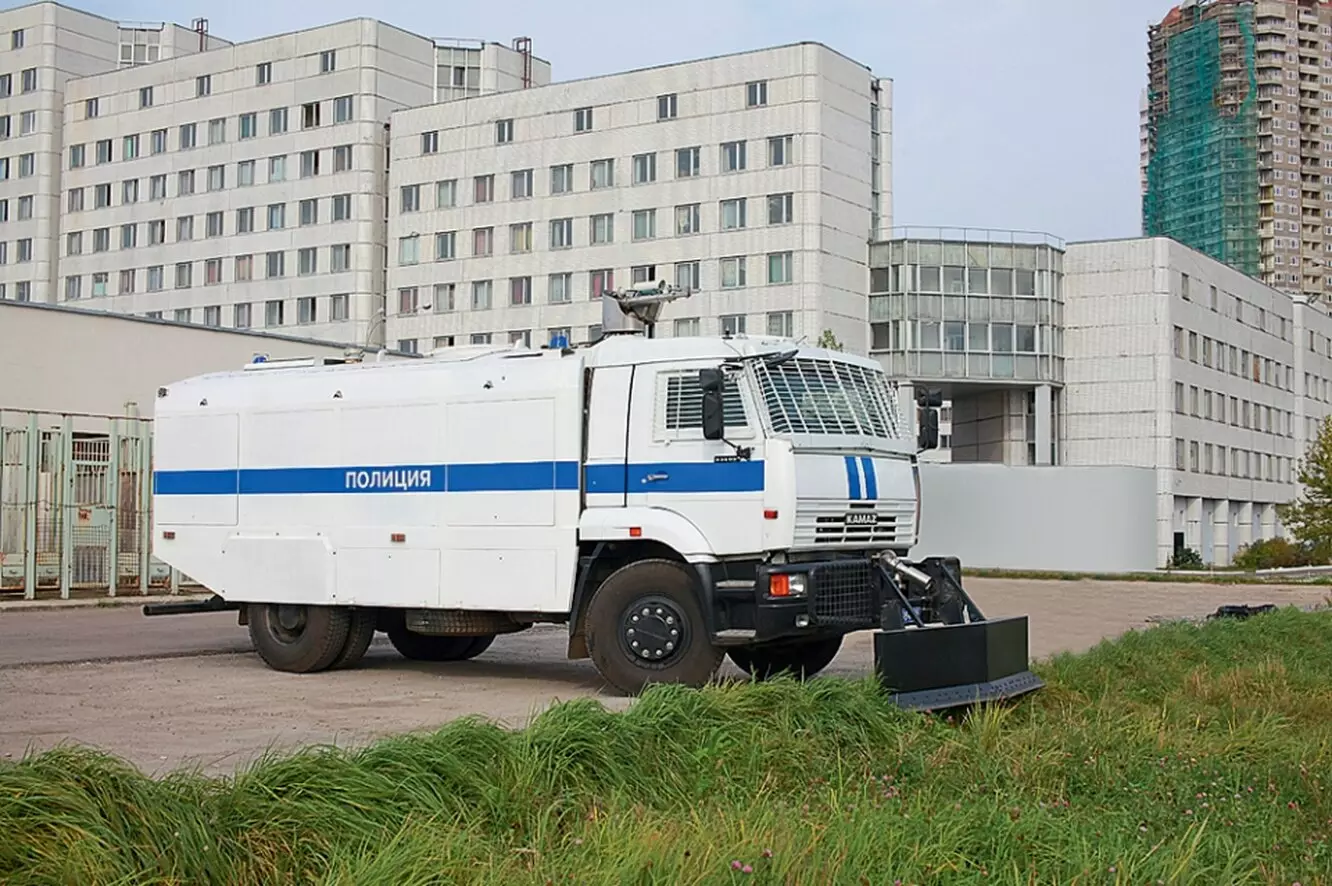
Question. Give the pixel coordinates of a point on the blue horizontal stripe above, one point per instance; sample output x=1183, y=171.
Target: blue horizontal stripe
x=677, y=477
x=674, y=477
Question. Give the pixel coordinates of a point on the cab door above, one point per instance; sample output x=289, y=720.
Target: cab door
x=671, y=467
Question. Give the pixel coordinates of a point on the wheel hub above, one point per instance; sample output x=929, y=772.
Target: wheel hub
x=653, y=630
x=287, y=622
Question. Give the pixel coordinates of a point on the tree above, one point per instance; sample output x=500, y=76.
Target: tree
x=829, y=341
x=1309, y=518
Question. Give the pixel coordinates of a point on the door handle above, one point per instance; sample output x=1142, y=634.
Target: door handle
x=653, y=478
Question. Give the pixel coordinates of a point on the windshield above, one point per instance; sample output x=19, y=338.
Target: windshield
x=809, y=396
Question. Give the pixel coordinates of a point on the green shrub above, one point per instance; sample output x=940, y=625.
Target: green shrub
x=1278, y=553
x=1186, y=558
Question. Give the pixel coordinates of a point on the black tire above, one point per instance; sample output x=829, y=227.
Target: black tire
x=661, y=592
x=359, y=635
x=427, y=647
x=798, y=659
x=297, y=638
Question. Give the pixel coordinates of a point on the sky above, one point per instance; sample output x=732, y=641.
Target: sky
x=1008, y=114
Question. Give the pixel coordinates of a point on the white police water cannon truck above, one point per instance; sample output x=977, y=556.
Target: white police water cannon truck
x=673, y=501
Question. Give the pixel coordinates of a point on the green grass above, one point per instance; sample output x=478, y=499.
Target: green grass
x=1181, y=754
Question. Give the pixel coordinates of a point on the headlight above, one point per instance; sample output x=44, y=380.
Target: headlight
x=785, y=585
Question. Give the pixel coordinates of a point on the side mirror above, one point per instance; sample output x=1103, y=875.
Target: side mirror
x=713, y=383
x=927, y=437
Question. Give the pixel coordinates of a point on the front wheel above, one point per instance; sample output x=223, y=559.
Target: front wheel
x=297, y=638
x=645, y=625
x=799, y=659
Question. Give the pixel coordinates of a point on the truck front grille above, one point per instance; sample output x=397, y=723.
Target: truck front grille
x=843, y=593
x=824, y=523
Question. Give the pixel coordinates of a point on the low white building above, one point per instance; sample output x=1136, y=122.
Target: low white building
x=42, y=46
x=1179, y=363
x=245, y=186
x=754, y=179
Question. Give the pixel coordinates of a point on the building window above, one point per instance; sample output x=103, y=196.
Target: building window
x=559, y=288
x=645, y=224
x=240, y=316
x=244, y=269
x=781, y=324
x=503, y=131
x=446, y=194
x=277, y=216
x=77, y=156
x=29, y=80
x=779, y=267
x=687, y=219
x=687, y=275
x=520, y=237
x=732, y=324
x=245, y=220
x=561, y=179
x=263, y=74
x=342, y=207
x=213, y=224
x=520, y=291
x=666, y=107
x=245, y=173
x=213, y=315
x=444, y=293
x=344, y=109
x=307, y=261
x=275, y=265
x=481, y=295
x=127, y=281
x=781, y=211
x=16, y=39
x=686, y=327
x=446, y=245
x=217, y=178
x=602, y=174
x=409, y=250
x=249, y=125
x=156, y=274
x=217, y=131
x=310, y=115
x=733, y=213
x=328, y=61
x=520, y=184
x=733, y=272
x=780, y=150
x=483, y=241
x=644, y=168
x=582, y=119
x=561, y=233
x=187, y=136
x=308, y=212
x=733, y=157
x=602, y=228
x=273, y=313
x=338, y=308
x=129, y=191
x=687, y=162
x=182, y=315
x=203, y=86
x=756, y=93
x=339, y=257
x=103, y=151
x=184, y=275
x=101, y=243
x=90, y=108
x=483, y=189
x=129, y=236
x=277, y=121
x=129, y=147
x=213, y=273
x=601, y=281
x=309, y=164
x=158, y=141
x=342, y=158
x=430, y=142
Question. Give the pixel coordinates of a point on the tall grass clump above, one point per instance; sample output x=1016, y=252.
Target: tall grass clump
x=1181, y=754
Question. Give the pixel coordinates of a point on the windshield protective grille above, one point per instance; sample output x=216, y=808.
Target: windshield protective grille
x=807, y=396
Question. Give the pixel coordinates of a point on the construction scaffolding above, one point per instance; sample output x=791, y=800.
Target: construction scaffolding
x=1202, y=133
x=75, y=507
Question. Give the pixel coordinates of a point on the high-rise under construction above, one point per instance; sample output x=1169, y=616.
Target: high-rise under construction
x=1238, y=136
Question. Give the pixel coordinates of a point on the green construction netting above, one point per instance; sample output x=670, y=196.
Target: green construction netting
x=1202, y=176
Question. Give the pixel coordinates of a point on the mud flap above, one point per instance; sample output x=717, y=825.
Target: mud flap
x=946, y=666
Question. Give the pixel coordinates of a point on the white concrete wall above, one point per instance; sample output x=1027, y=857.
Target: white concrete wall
x=119, y=360
x=813, y=94
x=1083, y=519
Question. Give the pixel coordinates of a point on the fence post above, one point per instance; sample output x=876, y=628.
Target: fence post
x=113, y=500
x=31, y=490
x=66, y=507
x=145, y=493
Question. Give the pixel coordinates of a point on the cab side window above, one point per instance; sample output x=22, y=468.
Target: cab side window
x=679, y=411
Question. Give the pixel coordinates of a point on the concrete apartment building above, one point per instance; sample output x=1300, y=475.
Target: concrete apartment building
x=754, y=179
x=42, y=47
x=1238, y=138
x=245, y=187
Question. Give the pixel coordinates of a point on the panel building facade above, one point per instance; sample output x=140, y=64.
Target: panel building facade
x=42, y=47
x=245, y=187
x=755, y=180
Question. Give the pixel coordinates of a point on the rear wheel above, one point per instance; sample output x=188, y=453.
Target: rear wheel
x=645, y=625
x=297, y=638
x=427, y=647
x=798, y=659
x=359, y=634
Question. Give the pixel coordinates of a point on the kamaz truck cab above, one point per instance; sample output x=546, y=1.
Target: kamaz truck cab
x=672, y=501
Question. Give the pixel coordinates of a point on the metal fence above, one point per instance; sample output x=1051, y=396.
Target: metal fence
x=76, y=506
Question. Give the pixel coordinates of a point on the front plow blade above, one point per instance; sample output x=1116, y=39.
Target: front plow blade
x=946, y=666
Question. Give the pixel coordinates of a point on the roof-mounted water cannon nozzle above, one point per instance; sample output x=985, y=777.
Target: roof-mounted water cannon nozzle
x=635, y=310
